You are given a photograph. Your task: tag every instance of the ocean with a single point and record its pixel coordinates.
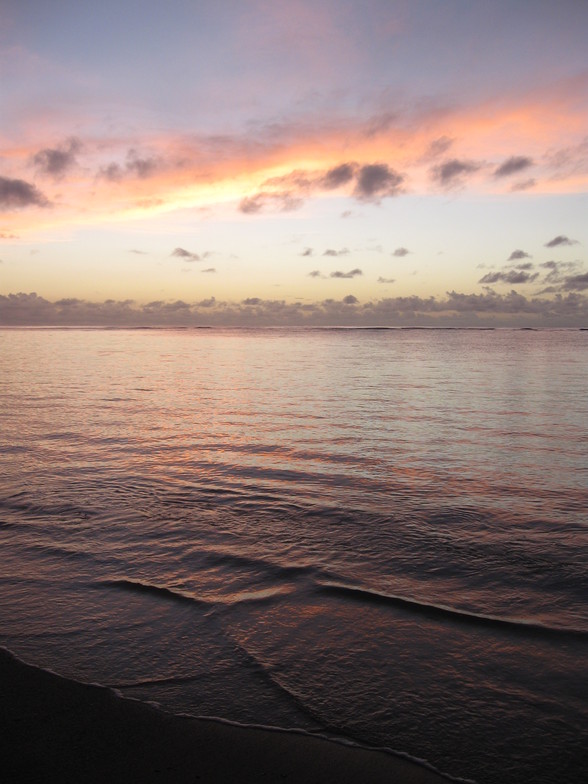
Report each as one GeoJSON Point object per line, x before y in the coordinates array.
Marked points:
{"type": "Point", "coordinates": [376, 535]}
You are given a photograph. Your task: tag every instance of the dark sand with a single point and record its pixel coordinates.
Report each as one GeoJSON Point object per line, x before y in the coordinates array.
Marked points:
{"type": "Point", "coordinates": [54, 729]}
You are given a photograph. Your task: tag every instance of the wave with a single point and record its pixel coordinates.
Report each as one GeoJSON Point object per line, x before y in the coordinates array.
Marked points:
{"type": "Point", "coordinates": [137, 586]}
{"type": "Point", "coordinates": [18, 503]}
{"type": "Point", "coordinates": [440, 611]}
{"type": "Point", "coordinates": [271, 568]}
{"type": "Point", "coordinates": [163, 681]}
{"type": "Point", "coordinates": [156, 590]}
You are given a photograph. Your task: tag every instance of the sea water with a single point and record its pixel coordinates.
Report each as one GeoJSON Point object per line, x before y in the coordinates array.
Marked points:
{"type": "Point", "coordinates": [379, 535]}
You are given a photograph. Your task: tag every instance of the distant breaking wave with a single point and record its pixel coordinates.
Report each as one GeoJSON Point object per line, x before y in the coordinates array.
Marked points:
{"type": "Point", "coordinates": [177, 596]}
{"type": "Point", "coordinates": [353, 593]}
{"type": "Point", "coordinates": [440, 611]}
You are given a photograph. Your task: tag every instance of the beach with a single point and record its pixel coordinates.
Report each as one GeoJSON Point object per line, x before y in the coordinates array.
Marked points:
{"type": "Point", "coordinates": [55, 729]}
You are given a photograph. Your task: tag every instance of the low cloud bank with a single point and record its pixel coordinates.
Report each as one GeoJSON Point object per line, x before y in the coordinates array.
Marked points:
{"type": "Point", "coordinates": [490, 308]}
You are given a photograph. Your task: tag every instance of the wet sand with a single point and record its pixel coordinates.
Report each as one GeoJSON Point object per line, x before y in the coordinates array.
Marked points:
{"type": "Point", "coordinates": [54, 729]}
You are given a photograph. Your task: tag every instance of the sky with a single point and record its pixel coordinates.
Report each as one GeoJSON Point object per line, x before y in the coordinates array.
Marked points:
{"type": "Point", "coordinates": [294, 162]}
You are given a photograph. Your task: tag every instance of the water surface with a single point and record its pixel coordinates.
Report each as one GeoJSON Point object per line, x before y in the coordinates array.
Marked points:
{"type": "Point", "coordinates": [379, 534]}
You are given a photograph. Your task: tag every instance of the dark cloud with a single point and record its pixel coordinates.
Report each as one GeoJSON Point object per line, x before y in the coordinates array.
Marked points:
{"type": "Point", "coordinates": [524, 185]}
{"type": "Point", "coordinates": [386, 280]}
{"type": "Point", "coordinates": [303, 182]}
{"type": "Point", "coordinates": [141, 167]}
{"type": "Point", "coordinates": [181, 253]}
{"type": "Point", "coordinates": [437, 147]}
{"type": "Point", "coordinates": [455, 309]}
{"type": "Point", "coordinates": [307, 252]}
{"type": "Point", "coordinates": [56, 162]}
{"type": "Point", "coordinates": [315, 274]}
{"type": "Point", "coordinates": [512, 277]}
{"type": "Point", "coordinates": [576, 282]}
{"type": "Point", "coordinates": [518, 254]}
{"type": "Point", "coordinates": [338, 176]}
{"type": "Point", "coordinates": [372, 182]}
{"type": "Point", "coordinates": [560, 240]}
{"type": "Point", "coordinates": [452, 171]}
{"type": "Point", "coordinates": [400, 252]}
{"type": "Point", "coordinates": [375, 181]}
{"type": "Point", "coordinates": [331, 252]}
{"type": "Point", "coordinates": [18, 193]}
{"type": "Point", "coordinates": [351, 274]}
{"type": "Point", "coordinates": [113, 172]}
{"type": "Point", "coordinates": [134, 166]}
{"type": "Point", "coordinates": [568, 161]}
{"type": "Point", "coordinates": [379, 123]}
{"type": "Point", "coordinates": [559, 271]}
{"type": "Point", "coordinates": [284, 201]}
{"type": "Point", "coordinates": [297, 179]}
{"type": "Point", "coordinates": [513, 165]}
{"type": "Point", "coordinates": [526, 265]}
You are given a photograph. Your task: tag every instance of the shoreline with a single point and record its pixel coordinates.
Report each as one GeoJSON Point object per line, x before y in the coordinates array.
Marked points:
{"type": "Point", "coordinates": [58, 729]}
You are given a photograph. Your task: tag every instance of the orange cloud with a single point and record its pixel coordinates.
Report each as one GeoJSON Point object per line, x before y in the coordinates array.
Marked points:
{"type": "Point", "coordinates": [120, 178]}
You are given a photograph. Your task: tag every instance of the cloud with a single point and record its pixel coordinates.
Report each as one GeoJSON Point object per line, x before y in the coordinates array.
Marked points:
{"type": "Point", "coordinates": [138, 252]}
{"type": "Point", "coordinates": [436, 148]}
{"type": "Point", "coordinates": [512, 277]}
{"type": "Point", "coordinates": [569, 161]}
{"type": "Point", "coordinates": [135, 166]}
{"type": "Point", "coordinates": [560, 240]}
{"type": "Point", "coordinates": [375, 181]}
{"type": "Point", "coordinates": [400, 252]}
{"type": "Point", "coordinates": [54, 162]}
{"type": "Point", "coordinates": [284, 201]}
{"type": "Point", "coordinates": [386, 280]}
{"type": "Point", "coordinates": [331, 252]}
{"type": "Point", "coordinates": [527, 265]}
{"type": "Point", "coordinates": [7, 235]}
{"type": "Point", "coordinates": [147, 203]}
{"type": "Point", "coordinates": [307, 252]}
{"type": "Point", "coordinates": [181, 253]}
{"type": "Point", "coordinates": [518, 254]}
{"type": "Point", "coordinates": [513, 165]}
{"type": "Point", "coordinates": [298, 179]}
{"type": "Point", "coordinates": [576, 282]}
{"type": "Point", "coordinates": [18, 193]}
{"type": "Point", "coordinates": [315, 274]}
{"type": "Point", "coordinates": [524, 185]}
{"type": "Point", "coordinates": [338, 176]}
{"type": "Point", "coordinates": [559, 271]}
{"type": "Point", "coordinates": [141, 167]}
{"type": "Point", "coordinates": [209, 269]}
{"type": "Point", "coordinates": [351, 274]}
{"type": "Point", "coordinates": [452, 171]}
{"type": "Point", "coordinates": [371, 183]}
{"type": "Point", "coordinates": [455, 309]}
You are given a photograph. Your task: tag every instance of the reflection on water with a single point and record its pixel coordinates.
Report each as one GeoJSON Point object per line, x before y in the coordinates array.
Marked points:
{"type": "Point", "coordinates": [379, 534]}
